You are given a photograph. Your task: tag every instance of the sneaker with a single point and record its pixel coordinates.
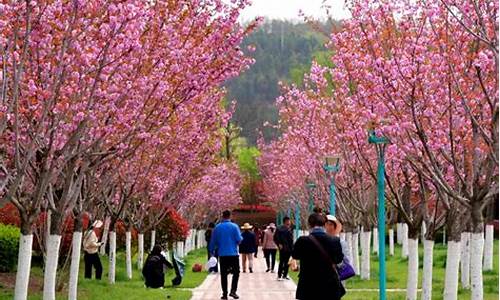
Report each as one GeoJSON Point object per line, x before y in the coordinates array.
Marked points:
{"type": "Point", "coordinates": [234, 296]}
{"type": "Point", "coordinates": [279, 279]}
{"type": "Point", "coordinates": [272, 271]}
{"type": "Point", "coordinates": [251, 271]}
{"type": "Point", "coordinates": [224, 297]}
{"type": "Point", "coordinates": [286, 278]}
{"type": "Point", "coordinates": [268, 270]}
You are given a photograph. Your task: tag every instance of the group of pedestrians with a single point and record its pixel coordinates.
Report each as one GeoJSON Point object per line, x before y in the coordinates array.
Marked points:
{"type": "Point", "coordinates": [321, 254]}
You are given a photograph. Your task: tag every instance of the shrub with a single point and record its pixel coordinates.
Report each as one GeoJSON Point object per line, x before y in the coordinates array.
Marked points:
{"type": "Point", "coordinates": [173, 228]}
{"type": "Point", "coordinates": [9, 245]}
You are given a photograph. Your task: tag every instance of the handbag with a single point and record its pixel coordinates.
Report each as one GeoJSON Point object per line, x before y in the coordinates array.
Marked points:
{"type": "Point", "coordinates": [345, 269]}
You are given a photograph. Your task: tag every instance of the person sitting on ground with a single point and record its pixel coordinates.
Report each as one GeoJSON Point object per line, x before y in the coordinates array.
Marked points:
{"type": "Point", "coordinates": [318, 253]}
{"type": "Point", "coordinates": [247, 247]}
{"type": "Point", "coordinates": [154, 268]}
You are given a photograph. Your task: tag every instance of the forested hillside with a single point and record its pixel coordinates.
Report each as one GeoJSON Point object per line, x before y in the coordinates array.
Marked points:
{"type": "Point", "coordinates": [283, 52]}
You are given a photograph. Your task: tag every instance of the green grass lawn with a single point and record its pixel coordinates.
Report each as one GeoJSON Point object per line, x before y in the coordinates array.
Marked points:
{"type": "Point", "coordinates": [128, 289]}
{"type": "Point", "coordinates": [396, 277]}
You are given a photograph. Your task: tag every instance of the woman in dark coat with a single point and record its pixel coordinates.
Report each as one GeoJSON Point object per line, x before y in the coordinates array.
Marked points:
{"type": "Point", "coordinates": [153, 270]}
{"type": "Point", "coordinates": [248, 247]}
{"type": "Point", "coordinates": [317, 253]}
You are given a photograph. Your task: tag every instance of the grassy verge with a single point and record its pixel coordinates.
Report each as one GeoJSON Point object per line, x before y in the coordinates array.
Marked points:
{"type": "Point", "coordinates": [397, 275]}
{"type": "Point", "coordinates": [128, 289]}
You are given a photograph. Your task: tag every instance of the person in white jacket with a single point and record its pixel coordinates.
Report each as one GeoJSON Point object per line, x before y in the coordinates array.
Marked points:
{"type": "Point", "coordinates": [91, 255]}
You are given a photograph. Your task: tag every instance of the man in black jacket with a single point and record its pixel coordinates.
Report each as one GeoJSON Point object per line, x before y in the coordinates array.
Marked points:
{"type": "Point", "coordinates": [318, 252]}
{"type": "Point", "coordinates": [283, 237]}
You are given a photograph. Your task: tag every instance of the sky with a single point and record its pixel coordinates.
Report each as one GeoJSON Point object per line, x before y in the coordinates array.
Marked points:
{"type": "Point", "coordinates": [289, 9]}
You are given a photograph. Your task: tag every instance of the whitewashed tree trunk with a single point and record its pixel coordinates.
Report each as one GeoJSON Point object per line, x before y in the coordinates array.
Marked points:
{"type": "Point", "coordinates": [424, 231]}
{"type": "Point", "coordinates": [128, 253]}
{"type": "Point", "coordinates": [451, 275]}
{"type": "Point", "coordinates": [404, 240]}
{"type": "Point", "coordinates": [348, 240]}
{"type": "Point", "coordinates": [105, 234]}
{"type": "Point", "coordinates": [476, 265]}
{"type": "Point", "coordinates": [153, 240]}
{"type": "Point", "coordinates": [412, 282]}
{"type": "Point", "coordinates": [488, 249]}
{"type": "Point", "coordinates": [23, 267]}
{"type": "Point", "coordinates": [75, 265]}
{"type": "Point", "coordinates": [112, 257]}
{"type": "Point", "coordinates": [342, 236]}
{"type": "Point", "coordinates": [375, 240]}
{"type": "Point", "coordinates": [48, 221]}
{"type": "Point", "coordinates": [49, 275]}
{"type": "Point", "coordinates": [391, 242]}
{"type": "Point", "coordinates": [444, 237]}
{"type": "Point", "coordinates": [355, 252]}
{"type": "Point", "coordinates": [465, 260]}
{"type": "Point", "coordinates": [427, 273]}
{"type": "Point", "coordinates": [140, 250]}
{"type": "Point", "coordinates": [365, 255]}
{"type": "Point", "coordinates": [399, 233]}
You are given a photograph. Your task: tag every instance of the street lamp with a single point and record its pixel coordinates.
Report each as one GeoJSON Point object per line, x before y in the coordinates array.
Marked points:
{"type": "Point", "coordinates": [380, 143]}
{"type": "Point", "coordinates": [310, 188]}
{"type": "Point", "coordinates": [297, 219]}
{"type": "Point", "coordinates": [332, 166]}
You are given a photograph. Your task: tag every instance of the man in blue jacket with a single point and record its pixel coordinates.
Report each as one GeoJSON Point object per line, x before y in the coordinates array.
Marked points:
{"type": "Point", "coordinates": [225, 239]}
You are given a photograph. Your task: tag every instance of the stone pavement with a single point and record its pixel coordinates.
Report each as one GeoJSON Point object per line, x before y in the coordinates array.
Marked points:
{"type": "Point", "coordinates": [257, 285]}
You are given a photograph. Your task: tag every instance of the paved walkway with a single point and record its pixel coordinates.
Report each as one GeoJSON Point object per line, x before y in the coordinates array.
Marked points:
{"type": "Point", "coordinates": [252, 286]}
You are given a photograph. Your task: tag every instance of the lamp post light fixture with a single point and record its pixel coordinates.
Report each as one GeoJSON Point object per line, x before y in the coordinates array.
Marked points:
{"type": "Point", "coordinates": [332, 166]}
{"type": "Point", "coordinates": [380, 143]}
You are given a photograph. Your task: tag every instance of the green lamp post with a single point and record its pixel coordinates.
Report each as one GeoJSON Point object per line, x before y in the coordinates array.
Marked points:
{"type": "Point", "coordinates": [332, 166]}
{"type": "Point", "coordinates": [380, 143]}
{"type": "Point", "coordinates": [310, 188]}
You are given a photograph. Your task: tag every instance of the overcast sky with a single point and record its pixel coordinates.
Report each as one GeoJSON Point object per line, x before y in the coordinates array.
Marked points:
{"type": "Point", "coordinates": [289, 9]}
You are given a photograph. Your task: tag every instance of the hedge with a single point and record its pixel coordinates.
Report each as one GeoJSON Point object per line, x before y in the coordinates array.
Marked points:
{"type": "Point", "coordinates": [9, 245]}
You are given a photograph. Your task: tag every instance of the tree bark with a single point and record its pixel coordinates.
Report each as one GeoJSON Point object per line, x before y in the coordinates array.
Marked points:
{"type": "Point", "coordinates": [23, 266]}
{"type": "Point", "coordinates": [49, 275]}
{"type": "Point", "coordinates": [427, 273]}
{"type": "Point", "coordinates": [112, 256]}
{"type": "Point", "coordinates": [412, 282]}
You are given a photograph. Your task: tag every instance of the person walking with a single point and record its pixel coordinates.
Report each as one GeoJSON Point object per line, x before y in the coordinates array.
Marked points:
{"type": "Point", "coordinates": [208, 236]}
{"type": "Point", "coordinates": [225, 240]}
{"type": "Point", "coordinates": [90, 251]}
{"type": "Point", "coordinates": [269, 247]}
{"type": "Point", "coordinates": [154, 268]}
{"type": "Point", "coordinates": [248, 247]}
{"type": "Point", "coordinates": [283, 237]}
{"type": "Point", "coordinates": [257, 233]}
{"type": "Point", "coordinates": [318, 254]}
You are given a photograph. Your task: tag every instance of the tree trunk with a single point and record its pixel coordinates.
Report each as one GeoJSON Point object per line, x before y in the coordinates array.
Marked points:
{"type": "Point", "coordinates": [465, 260]}
{"type": "Point", "coordinates": [412, 283]}
{"type": "Point", "coordinates": [75, 265]}
{"type": "Point", "coordinates": [153, 239]}
{"type": "Point", "coordinates": [140, 250]}
{"type": "Point", "coordinates": [365, 255]}
{"type": "Point", "coordinates": [451, 275]}
{"type": "Point", "coordinates": [49, 275]}
{"type": "Point", "coordinates": [399, 233]}
{"type": "Point", "coordinates": [424, 231]}
{"type": "Point", "coordinates": [476, 266]}
{"type": "Point", "coordinates": [128, 253]}
{"type": "Point", "coordinates": [404, 240]}
{"type": "Point", "coordinates": [391, 242]}
{"type": "Point", "coordinates": [427, 273]}
{"type": "Point", "coordinates": [23, 266]}
{"type": "Point", "coordinates": [375, 240]}
{"type": "Point", "coordinates": [348, 239]}
{"type": "Point", "coordinates": [355, 252]}
{"type": "Point", "coordinates": [105, 235]}
{"type": "Point", "coordinates": [488, 249]}
{"type": "Point", "coordinates": [112, 256]}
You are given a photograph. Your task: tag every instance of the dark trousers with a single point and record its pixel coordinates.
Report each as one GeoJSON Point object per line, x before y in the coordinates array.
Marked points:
{"type": "Point", "coordinates": [92, 260]}
{"type": "Point", "coordinates": [283, 265]}
{"type": "Point", "coordinates": [270, 255]}
{"type": "Point", "coordinates": [229, 264]}
{"type": "Point", "coordinates": [214, 269]}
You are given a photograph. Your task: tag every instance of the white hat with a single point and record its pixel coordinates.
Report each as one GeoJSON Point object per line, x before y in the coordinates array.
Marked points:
{"type": "Point", "coordinates": [97, 224]}
{"type": "Point", "coordinates": [246, 226]}
{"type": "Point", "coordinates": [334, 220]}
